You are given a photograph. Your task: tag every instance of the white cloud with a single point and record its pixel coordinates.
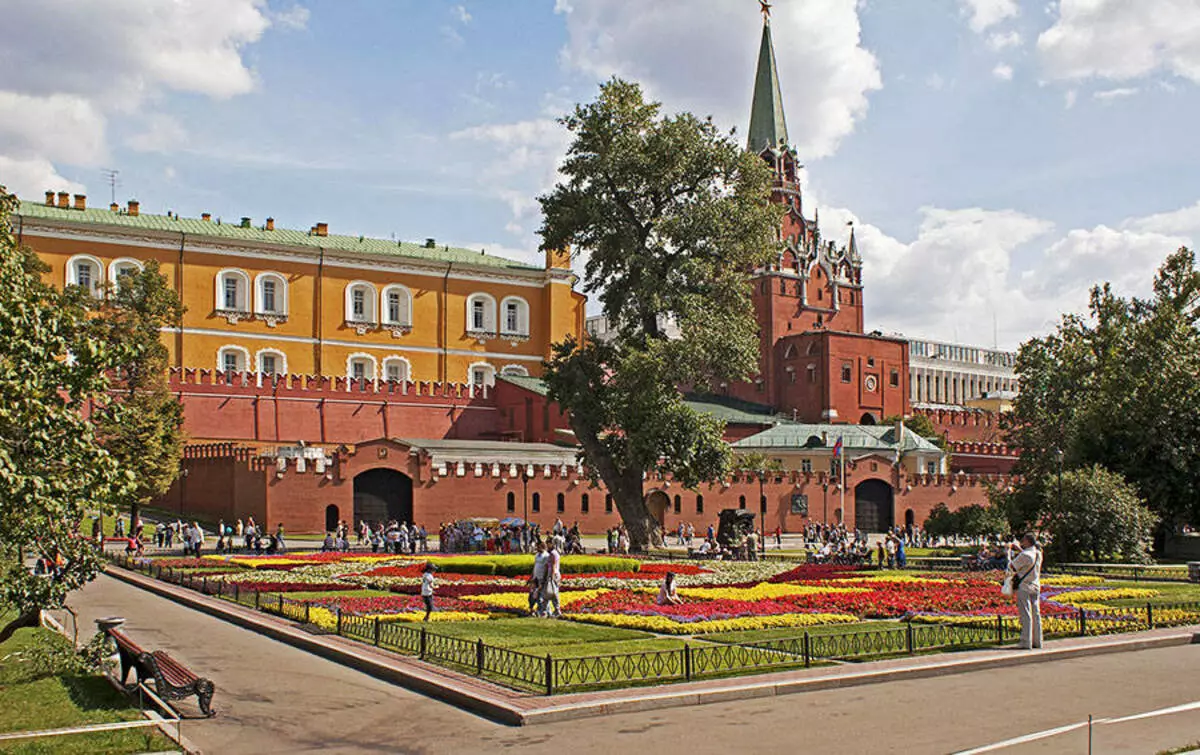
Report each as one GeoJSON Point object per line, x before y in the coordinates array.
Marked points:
{"type": "Point", "coordinates": [1004, 40]}
{"type": "Point", "coordinates": [461, 14]}
{"type": "Point", "coordinates": [28, 178]}
{"type": "Point", "coordinates": [1003, 72]}
{"type": "Point", "coordinates": [1108, 95]}
{"type": "Point", "coordinates": [705, 61]}
{"type": "Point", "coordinates": [1122, 40]}
{"type": "Point", "coordinates": [162, 134]}
{"type": "Point", "coordinates": [1073, 264]}
{"type": "Point", "coordinates": [72, 67]}
{"type": "Point", "coordinates": [1182, 222]}
{"type": "Point", "coordinates": [984, 14]}
{"type": "Point", "coordinates": [935, 81]}
{"type": "Point", "coordinates": [1069, 98]}
{"type": "Point", "coordinates": [295, 18]}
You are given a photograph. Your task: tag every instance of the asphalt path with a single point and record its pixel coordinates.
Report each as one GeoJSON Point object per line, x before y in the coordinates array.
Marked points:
{"type": "Point", "coordinates": [273, 698]}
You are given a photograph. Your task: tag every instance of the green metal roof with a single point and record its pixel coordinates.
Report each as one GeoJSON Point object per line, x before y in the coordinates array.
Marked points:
{"type": "Point", "coordinates": [854, 437]}
{"type": "Point", "coordinates": [537, 385]}
{"type": "Point", "coordinates": [768, 128]}
{"type": "Point", "coordinates": [732, 411]}
{"type": "Point", "coordinates": [258, 236]}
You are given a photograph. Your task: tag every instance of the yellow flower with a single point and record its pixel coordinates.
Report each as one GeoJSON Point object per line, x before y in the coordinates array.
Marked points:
{"type": "Point", "coordinates": [1092, 596]}
{"type": "Point", "coordinates": [520, 600]}
{"type": "Point", "coordinates": [762, 591]}
{"type": "Point", "coordinates": [1071, 580]}
{"type": "Point", "coordinates": [664, 625]}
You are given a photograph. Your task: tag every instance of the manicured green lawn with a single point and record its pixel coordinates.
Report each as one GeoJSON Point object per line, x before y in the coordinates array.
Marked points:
{"type": "Point", "coordinates": [788, 633]}
{"type": "Point", "coordinates": [1167, 591]}
{"type": "Point", "coordinates": [32, 701]}
{"type": "Point", "coordinates": [519, 634]}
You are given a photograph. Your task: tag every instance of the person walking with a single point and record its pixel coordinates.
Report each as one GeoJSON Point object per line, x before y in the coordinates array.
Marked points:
{"type": "Point", "coordinates": [1026, 574]}
{"type": "Point", "coordinates": [552, 581]}
{"type": "Point", "coordinates": [536, 580]}
{"type": "Point", "coordinates": [427, 588]}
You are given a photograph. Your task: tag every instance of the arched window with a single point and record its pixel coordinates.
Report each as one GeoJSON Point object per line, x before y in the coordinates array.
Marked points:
{"type": "Point", "coordinates": [85, 271]}
{"type": "Point", "coordinates": [360, 303]}
{"type": "Point", "coordinates": [395, 306]}
{"type": "Point", "coordinates": [360, 367]}
{"type": "Point", "coordinates": [481, 374]}
{"type": "Point", "coordinates": [481, 314]}
{"type": "Point", "coordinates": [397, 370]}
{"type": "Point", "coordinates": [271, 294]}
{"type": "Point", "coordinates": [120, 268]}
{"type": "Point", "coordinates": [678, 504]}
{"type": "Point", "coordinates": [515, 370]}
{"type": "Point", "coordinates": [536, 498]}
{"type": "Point", "coordinates": [699, 504]}
{"type": "Point", "coordinates": [233, 291]}
{"type": "Point", "coordinates": [515, 312]}
{"type": "Point", "coordinates": [583, 504]}
{"type": "Point", "coordinates": [560, 503]}
{"type": "Point", "coordinates": [232, 359]}
{"type": "Point", "coordinates": [511, 502]}
{"type": "Point", "coordinates": [271, 362]}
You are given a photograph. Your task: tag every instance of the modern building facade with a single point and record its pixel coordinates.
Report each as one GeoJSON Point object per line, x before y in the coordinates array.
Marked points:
{"type": "Point", "coordinates": [948, 374]}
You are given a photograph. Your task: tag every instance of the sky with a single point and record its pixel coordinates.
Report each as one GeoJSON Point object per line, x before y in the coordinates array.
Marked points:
{"type": "Point", "coordinates": [997, 157]}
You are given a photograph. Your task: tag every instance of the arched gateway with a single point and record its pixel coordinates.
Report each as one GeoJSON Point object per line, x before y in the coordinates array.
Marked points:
{"type": "Point", "coordinates": [381, 495]}
{"type": "Point", "coordinates": [657, 502]}
{"type": "Point", "coordinates": [873, 506]}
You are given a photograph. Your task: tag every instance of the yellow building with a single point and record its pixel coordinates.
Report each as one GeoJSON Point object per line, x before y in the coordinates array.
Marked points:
{"type": "Point", "coordinates": [273, 300]}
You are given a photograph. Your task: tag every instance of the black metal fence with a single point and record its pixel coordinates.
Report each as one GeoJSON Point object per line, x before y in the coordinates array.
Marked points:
{"type": "Point", "coordinates": [549, 675]}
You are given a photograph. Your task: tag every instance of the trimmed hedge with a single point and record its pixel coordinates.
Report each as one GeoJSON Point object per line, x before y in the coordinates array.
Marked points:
{"type": "Point", "coordinates": [522, 564]}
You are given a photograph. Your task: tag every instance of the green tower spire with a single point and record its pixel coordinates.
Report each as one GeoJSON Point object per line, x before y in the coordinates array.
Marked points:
{"type": "Point", "coordinates": [767, 125]}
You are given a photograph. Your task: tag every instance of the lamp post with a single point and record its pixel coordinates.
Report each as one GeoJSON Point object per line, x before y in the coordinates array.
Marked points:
{"type": "Point", "coordinates": [1058, 452]}
{"type": "Point", "coordinates": [525, 525]}
{"type": "Point", "coordinates": [762, 507]}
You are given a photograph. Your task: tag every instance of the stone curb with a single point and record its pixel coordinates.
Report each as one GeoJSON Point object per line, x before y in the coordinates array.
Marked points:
{"type": "Point", "coordinates": [517, 709]}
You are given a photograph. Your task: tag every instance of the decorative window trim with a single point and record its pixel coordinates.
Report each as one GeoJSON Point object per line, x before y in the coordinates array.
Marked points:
{"type": "Point", "coordinates": [489, 381]}
{"type": "Point", "coordinates": [101, 273]}
{"type": "Point", "coordinates": [408, 376]}
{"type": "Point", "coordinates": [522, 331]}
{"type": "Point", "coordinates": [282, 368]}
{"type": "Point", "coordinates": [515, 370]}
{"type": "Point", "coordinates": [233, 347]}
{"type": "Point", "coordinates": [362, 355]}
{"type": "Point", "coordinates": [490, 325]}
{"type": "Point", "coordinates": [114, 268]}
{"type": "Point", "coordinates": [281, 298]}
{"type": "Point", "coordinates": [370, 299]}
{"type": "Point", "coordinates": [403, 326]}
{"type": "Point", "coordinates": [242, 311]}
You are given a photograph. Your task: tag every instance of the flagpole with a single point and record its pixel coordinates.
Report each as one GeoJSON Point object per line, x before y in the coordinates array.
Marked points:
{"type": "Point", "coordinates": [842, 487]}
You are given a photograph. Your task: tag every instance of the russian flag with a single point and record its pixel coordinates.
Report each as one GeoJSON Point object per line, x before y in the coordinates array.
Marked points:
{"type": "Point", "coordinates": [837, 448]}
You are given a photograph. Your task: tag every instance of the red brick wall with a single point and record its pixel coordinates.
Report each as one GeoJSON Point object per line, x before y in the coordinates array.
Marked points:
{"type": "Point", "coordinates": [975, 425]}
{"type": "Point", "coordinates": [526, 416]}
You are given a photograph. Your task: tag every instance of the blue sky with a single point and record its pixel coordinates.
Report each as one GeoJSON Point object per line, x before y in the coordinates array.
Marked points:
{"type": "Point", "coordinates": [997, 156]}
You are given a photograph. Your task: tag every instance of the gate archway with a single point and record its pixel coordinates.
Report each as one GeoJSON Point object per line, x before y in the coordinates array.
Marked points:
{"type": "Point", "coordinates": [873, 509]}
{"type": "Point", "coordinates": [331, 518]}
{"type": "Point", "coordinates": [657, 502]}
{"type": "Point", "coordinates": [382, 495]}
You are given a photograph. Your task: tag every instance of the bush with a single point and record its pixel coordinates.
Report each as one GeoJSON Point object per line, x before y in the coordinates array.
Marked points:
{"type": "Point", "coordinates": [1096, 515]}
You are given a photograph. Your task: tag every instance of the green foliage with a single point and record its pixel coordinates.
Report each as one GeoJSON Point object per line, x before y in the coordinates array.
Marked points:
{"type": "Point", "coordinates": [144, 430]}
{"type": "Point", "coordinates": [1117, 388]}
{"type": "Point", "coordinates": [673, 217]}
{"type": "Point", "coordinates": [969, 521]}
{"type": "Point", "coordinates": [52, 470]}
{"type": "Point", "coordinates": [921, 425]}
{"type": "Point", "coordinates": [1097, 515]}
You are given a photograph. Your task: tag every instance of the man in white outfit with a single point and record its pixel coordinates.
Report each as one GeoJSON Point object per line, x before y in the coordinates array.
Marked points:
{"type": "Point", "coordinates": [1026, 572]}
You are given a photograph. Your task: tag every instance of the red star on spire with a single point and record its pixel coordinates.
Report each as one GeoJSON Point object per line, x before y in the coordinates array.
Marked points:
{"type": "Point", "coordinates": [765, 8]}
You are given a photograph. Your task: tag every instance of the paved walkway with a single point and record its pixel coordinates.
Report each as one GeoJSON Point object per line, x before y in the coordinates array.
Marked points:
{"type": "Point", "coordinates": [275, 698]}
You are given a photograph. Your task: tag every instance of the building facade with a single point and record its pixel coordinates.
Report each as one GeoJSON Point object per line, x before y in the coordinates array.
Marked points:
{"type": "Point", "coordinates": [271, 301]}
{"type": "Point", "coordinates": [949, 374]}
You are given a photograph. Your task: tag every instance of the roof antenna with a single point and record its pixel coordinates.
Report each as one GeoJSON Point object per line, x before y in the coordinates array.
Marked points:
{"type": "Point", "coordinates": [110, 177]}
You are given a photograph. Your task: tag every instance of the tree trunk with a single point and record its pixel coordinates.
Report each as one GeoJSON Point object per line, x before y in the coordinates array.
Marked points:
{"type": "Point", "coordinates": [27, 619]}
{"type": "Point", "coordinates": [625, 486]}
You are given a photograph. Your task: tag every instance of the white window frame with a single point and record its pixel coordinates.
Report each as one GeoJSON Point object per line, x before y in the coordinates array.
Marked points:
{"type": "Point", "coordinates": [243, 296]}
{"type": "Point", "coordinates": [522, 316]}
{"type": "Point", "coordinates": [115, 267]}
{"type": "Point", "coordinates": [406, 369]}
{"type": "Point", "coordinates": [489, 313]}
{"type": "Point", "coordinates": [515, 370]}
{"type": "Point", "coordinates": [242, 351]}
{"type": "Point", "coordinates": [406, 305]}
{"type": "Point", "coordinates": [281, 294]}
{"type": "Point", "coordinates": [488, 381]}
{"type": "Point", "coordinates": [370, 303]}
{"type": "Point", "coordinates": [280, 359]}
{"type": "Point", "coordinates": [72, 271]}
{"type": "Point", "coordinates": [350, 360]}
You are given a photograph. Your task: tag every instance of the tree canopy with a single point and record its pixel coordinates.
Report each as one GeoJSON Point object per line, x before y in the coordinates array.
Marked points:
{"type": "Point", "coordinates": [671, 217]}
{"type": "Point", "coordinates": [1118, 388]}
{"type": "Point", "coordinates": [1095, 515]}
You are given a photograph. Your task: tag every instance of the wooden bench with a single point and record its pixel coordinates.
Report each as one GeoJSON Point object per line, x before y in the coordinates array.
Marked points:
{"type": "Point", "coordinates": [172, 680]}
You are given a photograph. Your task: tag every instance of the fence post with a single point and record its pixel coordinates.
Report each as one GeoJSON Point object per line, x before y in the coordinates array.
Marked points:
{"type": "Point", "coordinates": [807, 652]}
{"type": "Point", "coordinates": [1082, 623]}
{"type": "Point", "coordinates": [687, 661]}
{"type": "Point", "coordinates": [908, 636]}
{"type": "Point", "coordinates": [339, 621]}
{"type": "Point", "coordinates": [999, 629]}
{"type": "Point", "coordinates": [204, 585]}
{"type": "Point", "coordinates": [306, 607]}
{"type": "Point", "coordinates": [237, 593]}
{"type": "Point", "coordinates": [1149, 616]}
{"type": "Point", "coordinates": [549, 675]}
{"type": "Point", "coordinates": [422, 650]}
{"type": "Point", "coordinates": [280, 603]}
{"type": "Point", "coordinates": [256, 600]}
{"type": "Point", "coordinates": [479, 657]}
{"type": "Point", "coordinates": [376, 631]}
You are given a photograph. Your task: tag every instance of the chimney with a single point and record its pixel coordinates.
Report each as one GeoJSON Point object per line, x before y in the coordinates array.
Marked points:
{"type": "Point", "coordinates": [900, 433]}
{"type": "Point", "coordinates": [245, 223]}
{"type": "Point", "coordinates": [115, 207]}
{"type": "Point", "coordinates": [322, 229]}
{"type": "Point", "coordinates": [80, 201]}
{"type": "Point", "coordinates": [49, 199]}
{"type": "Point", "coordinates": [270, 224]}
{"type": "Point", "coordinates": [133, 207]}
{"type": "Point", "coordinates": [64, 200]}
{"type": "Point", "coordinates": [206, 216]}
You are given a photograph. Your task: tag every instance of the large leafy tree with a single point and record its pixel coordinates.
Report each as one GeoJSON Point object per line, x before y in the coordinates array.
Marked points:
{"type": "Point", "coordinates": [1117, 388]}
{"type": "Point", "coordinates": [1093, 513]}
{"type": "Point", "coordinates": [144, 430]}
{"type": "Point", "coordinates": [52, 469]}
{"type": "Point", "coordinates": [673, 216]}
